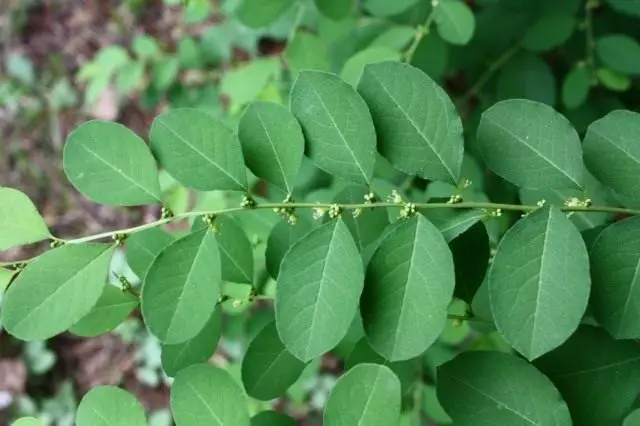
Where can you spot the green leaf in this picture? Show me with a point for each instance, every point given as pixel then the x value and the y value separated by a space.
pixel 196 350
pixel 614 80
pixel 632 419
pixel 205 395
pixel 112 308
pixel 493 388
pixel 272 143
pixel 110 164
pixel 20 222
pixel 531 145
pixel 260 13
pixel 109 406
pixel 142 247
pixel 337 125
pixel 146 47
pixel 386 7
pixel 198 150
pixel 431 56
pixel 165 72
pixel 370 223
pixel 619 52
pixel 526 76
pixel 419 130
pixel 453 222
pixel 539 282
pixel 368 394
pixel 272 418
pixel 353 68
pixel 575 88
pixel 612 154
pixel 245 83
pixel 56 289
pixel 182 287
pixel 627 7
pixel 550 31
pixel 268 368
pixel 130 77
pixel 27 421
pixel 236 252
pixel 471 252
pixel 319 284
pixel 597 376
pixel 405 370
pixel 455 21
pixel 615 262
pixel 396 38
pixel 307 52
pixel 5 278
pixel 336 10
pixel 281 238
pixel 409 285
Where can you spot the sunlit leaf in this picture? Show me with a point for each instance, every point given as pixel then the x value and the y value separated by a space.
pixel 20 222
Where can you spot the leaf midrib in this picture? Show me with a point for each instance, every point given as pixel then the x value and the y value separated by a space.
pixel 369 398
pixel 275 153
pixel 539 282
pixel 600 368
pixel 204 401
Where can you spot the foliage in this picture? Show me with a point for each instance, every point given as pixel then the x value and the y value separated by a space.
pixel 411 219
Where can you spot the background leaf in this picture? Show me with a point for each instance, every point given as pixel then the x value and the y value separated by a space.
pixel 268 368
pixel 483 387
pixel 205 395
pixel 368 394
pixel 196 350
pixel 611 151
pixel 615 262
pixel 539 282
pixel 258 13
pixel 575 87
pixel 369 225
pixel 319 285
pixel 405 300
pixel 236 252
pixel 110 164
pixel 182 287
pixel 272 418
pixel 110 405
pixel 308 52
pixel 57 289
pixel 531 145
pixel 456 23
pixel 143 247
pixel 419 130
pixel 20 222
pixel 112 308
pixel 548 32
pixel 272 143
pixel 336 10
pixel 354 66
pixel 619 52
pixel 596 375
pixel 337 125
pixel 198 150
pixel 281 238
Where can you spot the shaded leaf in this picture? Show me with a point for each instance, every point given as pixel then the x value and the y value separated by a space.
pixel 281 238
pixel 353 68
pixel 627 7
pixel 110 164
pixel 619 52
pixel 336 10
pixel 419 130
pixel 337 125
pixel 409 285
pixel 526 76
pixel 20 222
pixel 531 145
pixel 548 32
pixel 431 56
pixel 307 52
pixel 109 406
pixel 182 287
pixel 272 143
pixel 112 308
pixel 198 150
pixel 455 21
pixel 319 285
pixel 387 8
pixel 492 388
pixel 471 252
pixel 142 247
pixel 260 13
pixel 453 222
pixel 539 282
pixel 272 418
pixel 56 289
pixel 575 88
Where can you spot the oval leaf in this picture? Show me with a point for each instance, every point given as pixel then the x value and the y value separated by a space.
pixel 281 238
pixel 455 21
pixel 499 389
pixel 110 164
pixel 531 145
pixel 539 282
pixel 615 266
pixel 182 287
pixel 205 395
pixel 142 247
pixel 587 367
pixel 272 418
pixel 337 125
pixel 335 10
pixel 419 130
pixel 409 285
pixel 56 289
pixel 268 368
pixel 272 143
pixel 28 421
pixel 20 222
pixel 612 152
pixel 109 406
pixel 112 308
pixel 549 32
pixel 575 88
pixel 198 150
pixel 620 52
pixel 236 252
pixel 195 350
pixel 370 223
pixel 368 394
pixel 319 284
pixel 260 13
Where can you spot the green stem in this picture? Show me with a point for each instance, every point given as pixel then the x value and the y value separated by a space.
pixel 421 32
